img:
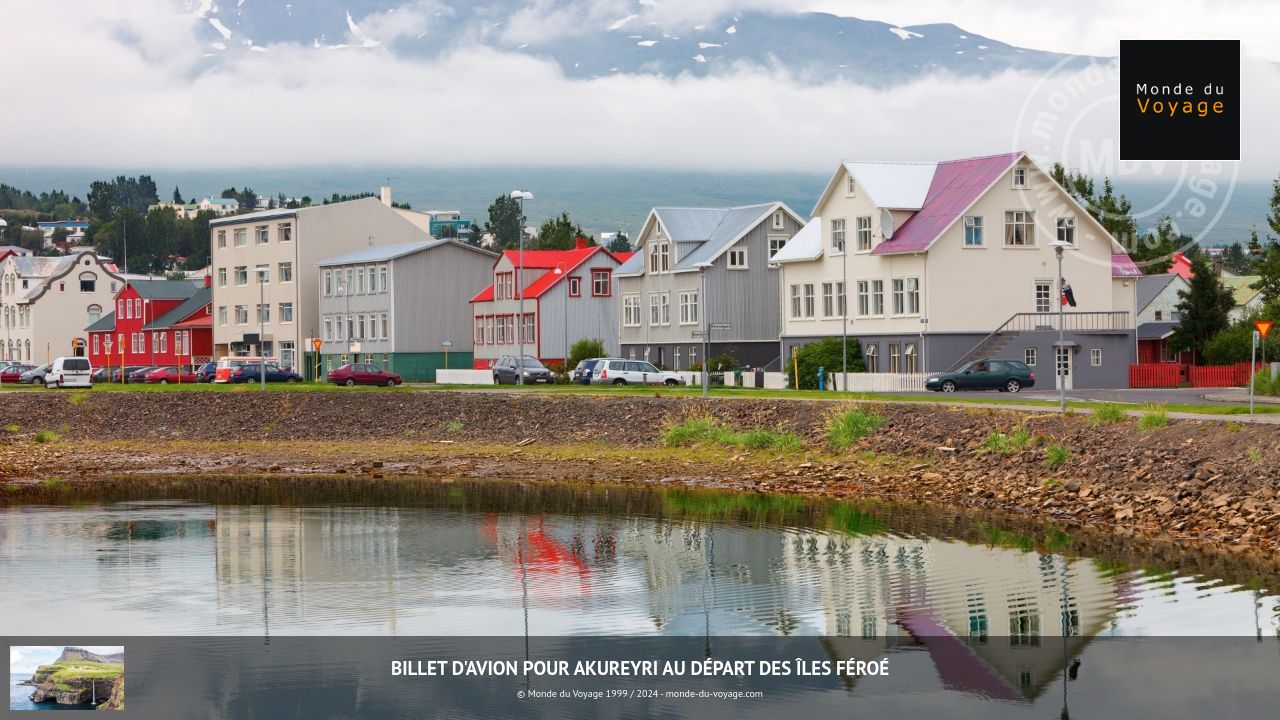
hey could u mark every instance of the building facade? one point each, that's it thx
(661, 308)
(46, 303)
(948, 262)
(265, 276)
(155, 323)
(568, 296)
(404, 307)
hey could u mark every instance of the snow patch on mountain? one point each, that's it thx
(904, 34)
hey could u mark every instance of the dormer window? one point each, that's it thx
(851, 186)
(1020, 178)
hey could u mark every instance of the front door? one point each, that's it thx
(1063, 363)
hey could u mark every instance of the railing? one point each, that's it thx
(1108, 321)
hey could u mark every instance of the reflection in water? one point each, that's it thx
(503, 559)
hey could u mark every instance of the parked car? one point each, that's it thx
(69, 372)
(119, 374)
(985, 374)
(632, 372)
(34, 376)
(12, 372)
(504, 371)
(138, 374)
(166, 375)
(253, 372)
(101, 375)
(363, 374)
(206, 372)
(582, 373)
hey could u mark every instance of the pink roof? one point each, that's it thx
(1123, 266)
(956, 185)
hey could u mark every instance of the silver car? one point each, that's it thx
(613, 371)
(34, 375)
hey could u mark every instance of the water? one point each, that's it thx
(495, 558)
(20, 699)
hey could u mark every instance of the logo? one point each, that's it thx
(1180, 99)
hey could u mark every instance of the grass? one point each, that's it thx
(1108, 414)
(47, 436)
(846, 427)
(707, 430)
(13, 427)
(1254, 455)
(453, 426)
(1055, 456)
(1007, 443)
(1154, 417)
(79, 398)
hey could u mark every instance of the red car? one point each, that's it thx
(11, 373)
(166, 375)
(363, 374)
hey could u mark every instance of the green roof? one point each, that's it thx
(1239, 286)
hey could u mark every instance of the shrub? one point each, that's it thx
(1264, 385)
(1055, 455)
(1007, 443)
(823, 353)
(453, 426)
(707, 430)
(47, 436)
(583, 349)
(1107, 414)
(722, 363)
(1154, 418)
(1254, 454)
(12, 427)
(846, 427)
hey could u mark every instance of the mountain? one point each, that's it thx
(75, 654)
(810, 47)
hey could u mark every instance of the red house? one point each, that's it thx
(156, 322)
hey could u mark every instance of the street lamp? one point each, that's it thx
(262, 327)
(706, 326)
(844, 300)
(1058, 365)
(561, 269)
(520, 195)
(146, 305)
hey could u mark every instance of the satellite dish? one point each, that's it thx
(886, 223)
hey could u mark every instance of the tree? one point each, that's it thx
(583, 349)
(505, 222)
(619, 243)
(1113, 212)
(1154, 251)
(32, 240)
(826, 354)
(1204, 308)
(248, 199)
(1273, 217)
(1235, 260)
(1268, 271)
(107, 196)
(560, 233)
(1235, 344)
(177, 196)
(1255, 247)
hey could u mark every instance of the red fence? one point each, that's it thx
(1170, 375)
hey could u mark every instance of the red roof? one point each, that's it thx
(203, 320)
(566, 260)
(1181, 266)
(956, 185)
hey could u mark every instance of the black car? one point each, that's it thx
(101, 375)
(985, 374)
(582, 373)
(504, 371)
(252, 372)
(206, 372)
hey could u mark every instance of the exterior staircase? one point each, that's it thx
(1072, 322)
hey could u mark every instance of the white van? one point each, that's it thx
(69, 372)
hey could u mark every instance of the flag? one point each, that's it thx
(1068, 296)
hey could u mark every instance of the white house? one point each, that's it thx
(951, 261)
(46, 302)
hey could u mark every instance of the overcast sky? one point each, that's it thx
(124, 83)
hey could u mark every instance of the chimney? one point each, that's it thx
(1217, 266)
(580, 243)
(386, 195)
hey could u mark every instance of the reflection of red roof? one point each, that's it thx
(566, 260)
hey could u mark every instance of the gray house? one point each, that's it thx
(661, 285)
(403, 307)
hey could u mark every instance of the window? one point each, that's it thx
(1159, 315)
(1024, 627)
(631, 310)
(842, 301)
(509, 325)
(120, 306)
(1095, 357)
(1044, 296)
(664, 305)
(850, 186)
(837, 235)
(327, 283)
(242, 314)
(286, 353)
(689, 307)
(286, 272)
(1067, 229)
(1020, 178)
(177, 343)
(899, 296)
(382, 282)
(372, 270)
(1019, 228)
(95, 344)
(286, 312)
(264, 313)
(360, 329)
(877, 297)
(328, 328)
(530, 331)
(222, 315)
(873, 358)
(222, 277)
(660, 257)
(359, 288)
(795, 301)
(263, 274)
(912, 358)
(351, 327)
(386, 326)
(779, 222)
(240, 236)
(242, 274)
(906, 296)
(973, 231)
(654, 312)
(488, 330)
(284, 231)
(738, 259)
(1029, 356)
(776, 243)
(477, 335)
(808, 300)
(828, 299)
(222, 238)
(864, 233)
(95, 313)
(864, 298)
(600, 283)
(895, 358)
(263, 236)
(575, 287)
(88, 281)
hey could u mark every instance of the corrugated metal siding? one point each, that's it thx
(431, 291)
(589, 317)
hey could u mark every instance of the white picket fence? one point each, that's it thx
(881, 382)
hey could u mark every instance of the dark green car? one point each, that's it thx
(985, 374)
